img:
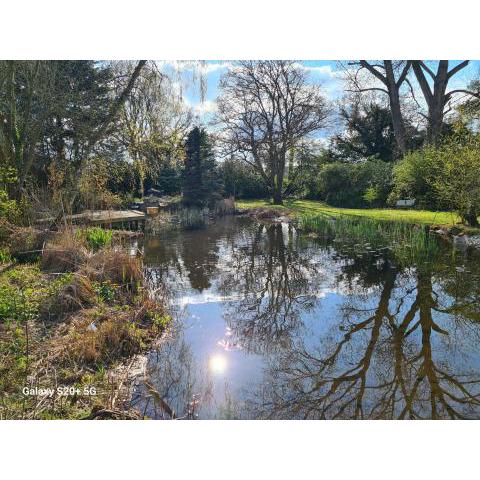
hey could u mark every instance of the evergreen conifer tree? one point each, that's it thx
(201, 182)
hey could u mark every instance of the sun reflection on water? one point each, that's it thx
(218, 363)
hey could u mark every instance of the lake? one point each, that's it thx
(273, 324)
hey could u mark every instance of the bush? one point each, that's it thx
(25, 243)
(5, 256)
(241, 180)
(413, 177)
(356, 185)
(447, 177)
(456, 176)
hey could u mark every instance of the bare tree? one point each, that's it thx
(435, 93)
(391, 75)
(266, 109)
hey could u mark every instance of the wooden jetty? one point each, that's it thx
(125, 219)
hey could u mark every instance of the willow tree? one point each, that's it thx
(266, 108)
(152, 123)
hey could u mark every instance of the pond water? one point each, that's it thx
(270, 323)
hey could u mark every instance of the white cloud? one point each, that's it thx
(207, 106)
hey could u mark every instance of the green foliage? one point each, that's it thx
(159, 320)
(5, 256)
(241, 180)
(456, 175)
(201, 182)
(96, 237)
(369, 134)
(371, 195)
(447, 177)
(413, 178)
(9, 208)
(363, 184)
(23, 289)
(106, 290)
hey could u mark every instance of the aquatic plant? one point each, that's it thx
(96, 237)
(411, 244)
(226, 206)
(192, 218)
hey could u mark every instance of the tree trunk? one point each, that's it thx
(435, 99)
(472, 218)
(277, 196)
(394, 98)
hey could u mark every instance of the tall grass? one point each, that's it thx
(410, 244)
(192, 218)
(183, 218)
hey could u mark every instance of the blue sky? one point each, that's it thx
(324, 72)
(327, 73)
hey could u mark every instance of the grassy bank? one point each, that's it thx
(311, 207)
(73, 315)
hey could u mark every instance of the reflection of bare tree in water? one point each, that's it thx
(173, 387)
(276, 282)
(395, 360)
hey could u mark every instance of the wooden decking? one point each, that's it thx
(131, 219)
(107, 216)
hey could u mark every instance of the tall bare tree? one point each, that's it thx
(391, 75)
(266, 109)
(434, 89)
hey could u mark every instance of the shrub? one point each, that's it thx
(22, 290)
(413, 179)
(5, 256)
(106, 291)
(367, 183)
(241, 180)
(447, 177)
(456, 176)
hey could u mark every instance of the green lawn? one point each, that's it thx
(313, 207)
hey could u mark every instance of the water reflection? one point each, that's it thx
(276, 282)
(280, 326)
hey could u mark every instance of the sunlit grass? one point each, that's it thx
(311, 207)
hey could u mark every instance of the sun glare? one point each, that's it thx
(218, 363)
